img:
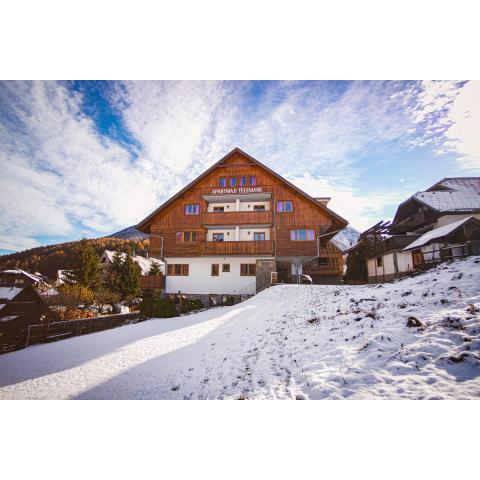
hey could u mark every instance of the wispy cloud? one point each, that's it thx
(61, 177)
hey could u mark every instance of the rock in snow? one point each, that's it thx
(359, 346)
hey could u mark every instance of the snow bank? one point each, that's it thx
(289, 342)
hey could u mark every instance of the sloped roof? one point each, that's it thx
(438, 233)
(452, 194)
(145, 222)
(35, 278)
(9, 293)
(144, 263)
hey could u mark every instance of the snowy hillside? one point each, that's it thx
(289, 342)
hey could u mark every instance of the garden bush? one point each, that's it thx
(157, 307)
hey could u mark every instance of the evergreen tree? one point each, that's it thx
(87, 268)
(130, 273)
(155, 269)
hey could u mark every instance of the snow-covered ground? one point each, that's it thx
(289, 342)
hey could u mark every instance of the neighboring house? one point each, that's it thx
(144, 263)
(240, 225)
(20, 306)
(62, 278)
(447, 201)
(431, 226)
(21, 277)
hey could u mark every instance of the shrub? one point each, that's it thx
(72, 295)
(191, 304)
(157, 307)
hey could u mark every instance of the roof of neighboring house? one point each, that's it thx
(452, 194)
(19, 271)
(143, 225)
(9, 293)
(144, 263)
(438, 233)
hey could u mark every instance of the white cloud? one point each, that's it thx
(463, 133)
(448, 115)
(361, 209)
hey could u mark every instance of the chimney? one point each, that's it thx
(323, 200)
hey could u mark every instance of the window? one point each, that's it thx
(258, 236)
(186, 237)
(177, 269)
(243, 181)
(253, 181)
(379, 261)
(247, 269)
(233, 181)
(222, 182)
(286, 206)
(225, 267)
(259, 208)
(302, 235)
(322, 261)
(192, 209)
(218, 209)
(215, 269)
(217, 237)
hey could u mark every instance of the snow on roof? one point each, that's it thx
(144, 263)
(33, 277)
(459, 194)
(437, 233)
(8, 293)
(8, 318)
(2, 305)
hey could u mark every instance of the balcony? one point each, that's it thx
(237, 218)
(264, 247)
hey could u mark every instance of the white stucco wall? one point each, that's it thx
(404, 263)
(243, 206)
(200, 280)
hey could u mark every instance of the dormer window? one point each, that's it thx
(222, 182)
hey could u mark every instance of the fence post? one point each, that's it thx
(28, 336)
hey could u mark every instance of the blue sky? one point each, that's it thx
(89, 158)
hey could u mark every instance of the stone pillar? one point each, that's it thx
(264, 269)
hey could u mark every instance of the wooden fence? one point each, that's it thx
(53, 331)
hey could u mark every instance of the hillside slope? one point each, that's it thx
(289, 342)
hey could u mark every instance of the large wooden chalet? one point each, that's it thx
(238, 226)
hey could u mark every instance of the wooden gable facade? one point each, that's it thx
(168, 221)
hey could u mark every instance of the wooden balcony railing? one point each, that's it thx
(237, 218)
(264, 247)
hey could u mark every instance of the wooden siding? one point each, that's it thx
(305, 214)
(151, 281)
(264, 247)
